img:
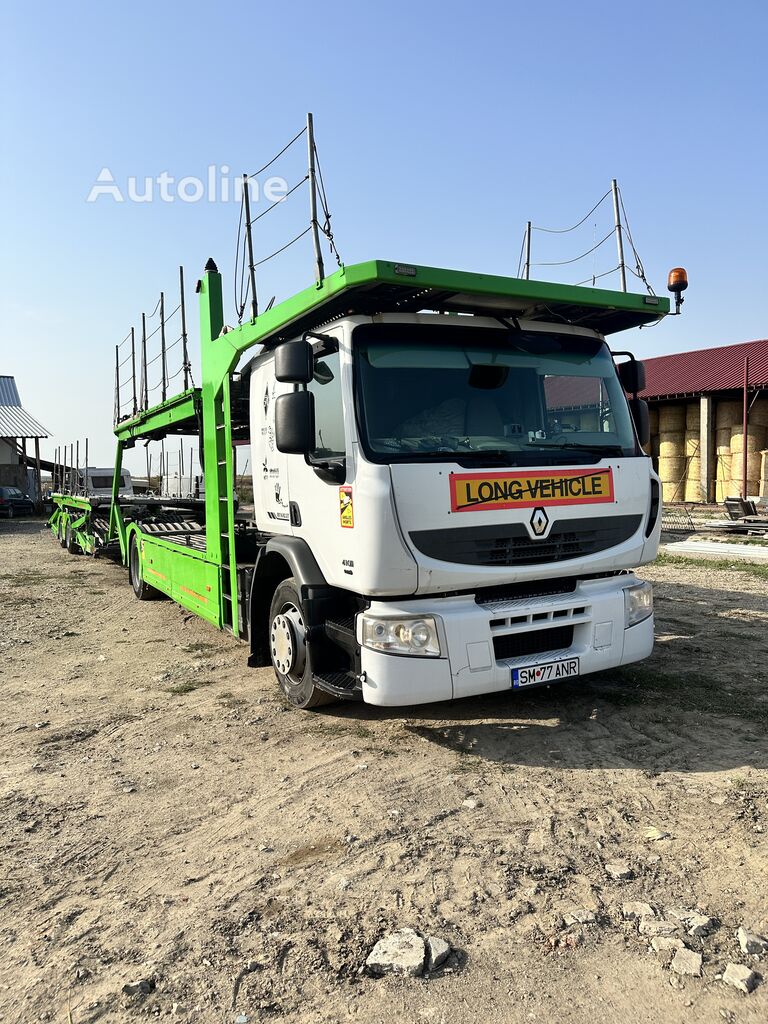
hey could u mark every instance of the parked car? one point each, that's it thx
(14, 502)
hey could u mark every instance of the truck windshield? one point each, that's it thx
(517, 397)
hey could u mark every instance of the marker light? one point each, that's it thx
(677, 281)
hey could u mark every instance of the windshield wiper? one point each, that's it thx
(607, 449)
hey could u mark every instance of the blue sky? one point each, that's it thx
(442, 127)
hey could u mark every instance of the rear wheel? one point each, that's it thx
(142, 590)
(10, 511)
(288, 648)
(69, 541)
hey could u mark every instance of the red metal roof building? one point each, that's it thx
(706, 370)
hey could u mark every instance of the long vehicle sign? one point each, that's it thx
(485, 492)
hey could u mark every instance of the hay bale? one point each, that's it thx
(672, 470)
(723, 441)
(693, 489)
(755, 440)
(671, 418)
(692, 416)
(672, 445)
(758, 414)
(673, 490)
(728, 414)
(692, 444)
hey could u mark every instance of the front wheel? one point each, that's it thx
(288, 648)
(142, 590)
(10, 512)
(61, 532)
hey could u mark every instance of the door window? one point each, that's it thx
(329, 414)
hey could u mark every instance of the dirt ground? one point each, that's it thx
(164, 818)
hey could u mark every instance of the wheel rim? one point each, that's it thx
(134, 567)
(288, 643)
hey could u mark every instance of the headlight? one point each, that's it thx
(638, 604)
(401, 636)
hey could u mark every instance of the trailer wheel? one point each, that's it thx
(288, 648)
(142, 590)
(69, 541)
(61, 532)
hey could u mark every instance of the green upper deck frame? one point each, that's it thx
(379, 286)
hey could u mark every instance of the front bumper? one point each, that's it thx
(481, 641)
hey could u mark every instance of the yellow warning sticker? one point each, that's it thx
(484, 492)
(346, 510)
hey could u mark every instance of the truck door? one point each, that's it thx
(321, 514)
(270, 467)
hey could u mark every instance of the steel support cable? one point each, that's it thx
(283, 248)
(278, 201)
(563, 263)
(564, 231)
(277, 156)
(126, 360)
(596, 277)
(640, 273)
(326, 227)
(160, 325)
(126, 338)
(238, 307)
(520, 260)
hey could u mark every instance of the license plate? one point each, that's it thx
(549, 672)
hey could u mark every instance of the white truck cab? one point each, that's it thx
(472, 496)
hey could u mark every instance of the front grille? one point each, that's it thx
(539, 641)
(510, 544)
(531, 588)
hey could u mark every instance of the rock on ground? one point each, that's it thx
(438, 951)
(751, 942)
(579, 917)
(741, 977)
(648, 926)
(699, 925)
(403, 952)
(685, 961)
(619, 870)
(636, 910)
(666, 944)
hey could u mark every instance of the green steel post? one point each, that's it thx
(116, 524)
(217, 446)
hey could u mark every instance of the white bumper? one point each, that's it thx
(481, 642)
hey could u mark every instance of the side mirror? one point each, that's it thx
(639, 410)
(295, 423)
(293, 362)
(632, 376)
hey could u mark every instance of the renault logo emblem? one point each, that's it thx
(539, 522)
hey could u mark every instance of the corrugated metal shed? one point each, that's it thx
(15, 421)
(706, 370)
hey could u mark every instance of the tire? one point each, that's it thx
(69, 541)
(61, 532)
(288, 649)
(10, 512)
(142, 590)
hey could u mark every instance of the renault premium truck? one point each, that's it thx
(451, 496)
